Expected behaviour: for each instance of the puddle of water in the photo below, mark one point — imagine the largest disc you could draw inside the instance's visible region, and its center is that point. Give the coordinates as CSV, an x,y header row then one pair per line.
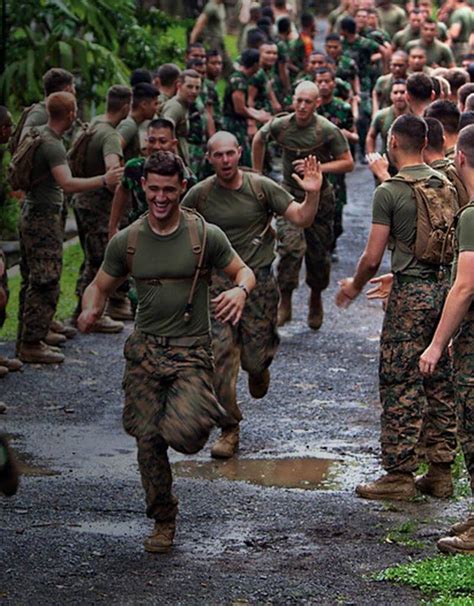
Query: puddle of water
x,y
303,473
112,529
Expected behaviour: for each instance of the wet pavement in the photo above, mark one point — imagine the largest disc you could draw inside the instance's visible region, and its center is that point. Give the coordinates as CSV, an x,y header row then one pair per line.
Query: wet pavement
x,y
278,525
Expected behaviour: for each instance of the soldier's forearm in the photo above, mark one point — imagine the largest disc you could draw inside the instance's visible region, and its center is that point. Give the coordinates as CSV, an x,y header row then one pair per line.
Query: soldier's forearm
x,y
94,300
245,277
338,167
258,153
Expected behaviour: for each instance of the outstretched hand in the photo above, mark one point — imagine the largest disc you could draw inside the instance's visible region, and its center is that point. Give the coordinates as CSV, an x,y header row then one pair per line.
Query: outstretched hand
x,y
229,305
312,175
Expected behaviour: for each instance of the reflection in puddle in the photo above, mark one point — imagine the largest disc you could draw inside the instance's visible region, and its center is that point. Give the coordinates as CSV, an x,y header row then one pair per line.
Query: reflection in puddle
x,y
304,473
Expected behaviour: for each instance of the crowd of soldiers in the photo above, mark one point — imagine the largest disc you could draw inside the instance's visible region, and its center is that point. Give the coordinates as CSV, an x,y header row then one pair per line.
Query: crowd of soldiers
x,y
182,198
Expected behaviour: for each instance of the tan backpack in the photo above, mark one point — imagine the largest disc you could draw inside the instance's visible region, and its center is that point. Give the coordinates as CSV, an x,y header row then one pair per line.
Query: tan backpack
x,y
436,208
21,165
199,248
15,139
76,156
453,176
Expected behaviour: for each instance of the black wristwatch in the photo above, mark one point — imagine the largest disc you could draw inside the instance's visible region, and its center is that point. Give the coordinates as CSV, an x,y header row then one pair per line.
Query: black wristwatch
x,y
245,289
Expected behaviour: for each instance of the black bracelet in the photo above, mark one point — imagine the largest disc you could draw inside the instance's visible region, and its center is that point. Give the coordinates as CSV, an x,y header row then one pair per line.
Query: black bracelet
x,y
245,289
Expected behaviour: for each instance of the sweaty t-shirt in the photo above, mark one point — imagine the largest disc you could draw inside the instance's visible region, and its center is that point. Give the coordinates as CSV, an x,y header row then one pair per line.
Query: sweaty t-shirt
x,y
49,154
395,205
437,53
177,112
129,130
465,17
215,27
464,236
392,19
104,142
170,258
320,138
241,216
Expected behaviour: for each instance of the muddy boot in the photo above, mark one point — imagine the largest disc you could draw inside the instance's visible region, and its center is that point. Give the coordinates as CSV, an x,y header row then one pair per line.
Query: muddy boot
x,y
227,444
3,371
437,482
63,329
462,543
284,307
120,310
12,364
54,338
258,384
107,325
8,470
161,539
461,527
39,353
392,486
315,311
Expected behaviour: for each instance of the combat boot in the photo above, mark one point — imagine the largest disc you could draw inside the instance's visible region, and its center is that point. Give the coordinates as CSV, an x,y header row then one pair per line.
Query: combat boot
x,y
54,338
461,527
9,474
462,543
12,364
39,353
284,307
120,310
107,325
315,311
395,486
437,481
3,371
161,539
68,331
258,384
227,444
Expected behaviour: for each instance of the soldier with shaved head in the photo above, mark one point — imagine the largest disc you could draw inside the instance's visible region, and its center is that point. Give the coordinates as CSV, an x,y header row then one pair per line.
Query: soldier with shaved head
x,y
242,203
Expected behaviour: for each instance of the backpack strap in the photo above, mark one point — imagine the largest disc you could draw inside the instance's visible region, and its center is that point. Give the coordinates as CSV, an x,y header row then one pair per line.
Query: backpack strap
x,y
132,239
205,189
199,248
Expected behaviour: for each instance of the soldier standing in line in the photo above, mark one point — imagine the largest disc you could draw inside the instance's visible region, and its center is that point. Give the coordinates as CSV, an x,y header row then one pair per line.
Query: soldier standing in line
x,y
169,397
301,134
242,204
144,106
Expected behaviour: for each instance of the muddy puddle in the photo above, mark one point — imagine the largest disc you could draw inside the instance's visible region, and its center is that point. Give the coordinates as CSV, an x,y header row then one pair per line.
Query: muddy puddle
x,y
304,473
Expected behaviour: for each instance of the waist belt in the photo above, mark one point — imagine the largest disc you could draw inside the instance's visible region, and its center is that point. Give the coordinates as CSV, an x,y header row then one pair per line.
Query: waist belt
x,y
177,341
412,279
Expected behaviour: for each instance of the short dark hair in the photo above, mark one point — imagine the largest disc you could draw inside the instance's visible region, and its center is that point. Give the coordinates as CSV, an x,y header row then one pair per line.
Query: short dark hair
x,y
333,38
190,47
164,163
466,119
213,52
188,73
161,123
192,63
457,77
140,75
446,112
398,81
265,24
420,86
284,25
348,25
465,91
267,11
117,97
465,143
255,38
55,80
325,70
435,134
307,20
410,130
429,20
249,57
143,92
168,73
436,83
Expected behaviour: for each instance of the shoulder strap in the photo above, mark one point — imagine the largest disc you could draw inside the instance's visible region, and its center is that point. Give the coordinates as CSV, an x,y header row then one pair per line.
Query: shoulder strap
x,y
255,182
199,248
132,239
205,189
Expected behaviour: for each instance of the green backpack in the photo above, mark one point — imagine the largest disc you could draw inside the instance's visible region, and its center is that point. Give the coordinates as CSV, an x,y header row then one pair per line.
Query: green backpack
x,y
21,165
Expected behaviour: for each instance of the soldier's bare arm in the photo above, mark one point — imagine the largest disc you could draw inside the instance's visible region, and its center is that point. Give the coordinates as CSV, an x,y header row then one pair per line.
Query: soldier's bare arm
x,y
95,298
74,185
371,141
258,152
119,203
342,164
230,304
198,28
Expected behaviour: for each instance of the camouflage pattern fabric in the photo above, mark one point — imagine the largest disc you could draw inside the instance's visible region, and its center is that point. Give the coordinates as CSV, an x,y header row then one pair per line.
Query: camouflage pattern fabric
x,y
41,245
132,182
463,356
239,129
252,344
3,286
413,406
346,69
233,122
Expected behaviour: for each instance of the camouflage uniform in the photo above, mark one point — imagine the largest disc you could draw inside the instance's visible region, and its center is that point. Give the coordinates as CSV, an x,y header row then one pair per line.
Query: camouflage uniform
x,y
197,135
3,286
233,122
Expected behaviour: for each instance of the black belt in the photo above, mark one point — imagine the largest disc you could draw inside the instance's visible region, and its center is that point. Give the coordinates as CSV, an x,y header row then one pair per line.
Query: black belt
x,y
412,279
163,341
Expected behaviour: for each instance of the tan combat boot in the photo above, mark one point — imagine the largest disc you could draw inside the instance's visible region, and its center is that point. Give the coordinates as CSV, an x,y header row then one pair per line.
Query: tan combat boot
x,y
437,481
54,338
108,326
39,353
284,307
462,543
161,539
227,444
315,311
63,329
392,486
461,527
258,384
12,364
120,310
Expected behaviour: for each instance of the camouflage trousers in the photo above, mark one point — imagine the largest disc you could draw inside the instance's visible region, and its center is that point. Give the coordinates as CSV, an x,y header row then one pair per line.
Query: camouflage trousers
x,y
414,409
41,246
363,122
196,158
314,244
463,356
251,344
169,401
340,193
239,129
3,289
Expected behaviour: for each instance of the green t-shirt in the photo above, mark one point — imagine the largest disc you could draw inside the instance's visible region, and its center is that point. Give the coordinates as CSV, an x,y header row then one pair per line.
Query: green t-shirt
x,y
169,258
319,138
104,142
464,236
436,54
214,31
394,205
464,16
404,36
382,122
177,112
49,154
37,116
242,217
383,88
392,19
128,129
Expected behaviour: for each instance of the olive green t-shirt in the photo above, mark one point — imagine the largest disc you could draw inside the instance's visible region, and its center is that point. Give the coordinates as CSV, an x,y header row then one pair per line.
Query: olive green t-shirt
x,y
214,31
49,154
437,53
382,122
320,138
37,116
242,217
464,16
464,236
169,258
104,142
177,112
128,129
383,88
392,19
394,205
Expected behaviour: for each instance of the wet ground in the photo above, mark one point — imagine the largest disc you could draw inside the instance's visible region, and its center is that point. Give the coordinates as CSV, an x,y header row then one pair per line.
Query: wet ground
x,y
278,525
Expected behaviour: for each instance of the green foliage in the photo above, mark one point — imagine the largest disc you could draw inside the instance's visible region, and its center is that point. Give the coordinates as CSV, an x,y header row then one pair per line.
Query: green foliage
x,y
451,578
402,535
9,216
